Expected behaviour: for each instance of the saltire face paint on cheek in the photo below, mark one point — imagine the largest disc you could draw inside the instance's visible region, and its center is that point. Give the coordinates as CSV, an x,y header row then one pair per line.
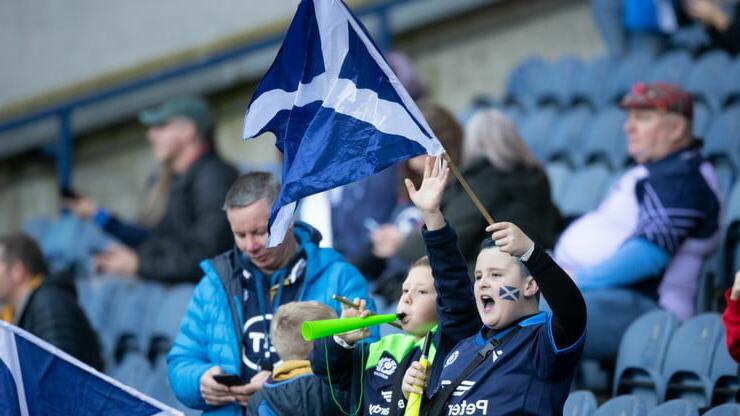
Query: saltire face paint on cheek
x,y
509,293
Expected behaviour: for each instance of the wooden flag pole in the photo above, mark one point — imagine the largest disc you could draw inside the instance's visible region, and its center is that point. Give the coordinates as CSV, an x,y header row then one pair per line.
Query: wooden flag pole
x,y
468,190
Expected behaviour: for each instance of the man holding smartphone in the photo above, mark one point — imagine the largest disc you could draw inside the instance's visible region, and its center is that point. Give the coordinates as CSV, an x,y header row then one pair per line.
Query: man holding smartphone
x,y
226,328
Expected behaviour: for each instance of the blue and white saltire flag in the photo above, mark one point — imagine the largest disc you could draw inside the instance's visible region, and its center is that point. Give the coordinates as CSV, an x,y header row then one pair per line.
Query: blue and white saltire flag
x,y
337,110
37,378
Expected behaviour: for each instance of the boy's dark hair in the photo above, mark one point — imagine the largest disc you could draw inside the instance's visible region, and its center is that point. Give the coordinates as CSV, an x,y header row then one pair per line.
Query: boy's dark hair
x,y
488,243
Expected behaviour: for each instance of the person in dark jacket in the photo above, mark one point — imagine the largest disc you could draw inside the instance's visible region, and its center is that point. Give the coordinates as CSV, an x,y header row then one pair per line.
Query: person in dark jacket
x,y
292,388
191,225
44,307
507,179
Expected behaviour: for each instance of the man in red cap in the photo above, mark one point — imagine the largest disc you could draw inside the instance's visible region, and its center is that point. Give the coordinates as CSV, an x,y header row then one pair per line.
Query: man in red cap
x,y
643,247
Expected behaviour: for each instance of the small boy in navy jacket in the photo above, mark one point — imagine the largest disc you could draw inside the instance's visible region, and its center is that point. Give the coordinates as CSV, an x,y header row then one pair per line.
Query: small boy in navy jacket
x,y
293,388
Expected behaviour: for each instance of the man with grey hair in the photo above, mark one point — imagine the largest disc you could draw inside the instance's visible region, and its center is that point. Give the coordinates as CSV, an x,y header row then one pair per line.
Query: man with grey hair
x,y
226,327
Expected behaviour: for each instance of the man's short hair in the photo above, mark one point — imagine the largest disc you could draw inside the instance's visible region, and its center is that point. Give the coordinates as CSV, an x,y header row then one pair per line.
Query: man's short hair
x,y
19,247
250,188
285,328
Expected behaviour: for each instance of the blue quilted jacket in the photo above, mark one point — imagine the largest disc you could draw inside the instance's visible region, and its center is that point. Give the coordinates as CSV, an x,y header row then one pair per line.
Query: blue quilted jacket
x,y
210,330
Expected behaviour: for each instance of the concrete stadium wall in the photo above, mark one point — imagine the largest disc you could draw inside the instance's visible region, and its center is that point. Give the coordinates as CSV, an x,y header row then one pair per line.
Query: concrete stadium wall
x,y
460,59
57,43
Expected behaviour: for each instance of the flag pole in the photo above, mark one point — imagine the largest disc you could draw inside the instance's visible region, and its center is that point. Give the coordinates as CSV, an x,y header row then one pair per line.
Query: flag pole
x,y
468,190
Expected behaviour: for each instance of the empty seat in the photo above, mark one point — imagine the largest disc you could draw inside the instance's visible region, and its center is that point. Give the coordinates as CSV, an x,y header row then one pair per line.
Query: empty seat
x,y
585,189
723,374
678,407
706,79
135,371
591,88
702,119
641,355
580,403
523,82
556,89
732,205
134,310
711,283
95,295
673,67
732,85
568,135
558,173
723,137
157,385
605,139
729,409
689,359
536,130
632,69
167,322
622,406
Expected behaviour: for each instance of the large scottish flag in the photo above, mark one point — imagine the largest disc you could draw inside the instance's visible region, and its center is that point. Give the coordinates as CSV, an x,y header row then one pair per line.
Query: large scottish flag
x,y
38,379
337,109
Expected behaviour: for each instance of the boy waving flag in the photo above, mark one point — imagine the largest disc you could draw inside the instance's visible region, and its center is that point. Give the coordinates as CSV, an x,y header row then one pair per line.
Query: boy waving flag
x,y
337,110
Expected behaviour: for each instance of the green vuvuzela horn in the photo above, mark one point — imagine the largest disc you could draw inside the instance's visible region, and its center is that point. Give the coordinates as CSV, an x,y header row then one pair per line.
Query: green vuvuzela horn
x,y
312,330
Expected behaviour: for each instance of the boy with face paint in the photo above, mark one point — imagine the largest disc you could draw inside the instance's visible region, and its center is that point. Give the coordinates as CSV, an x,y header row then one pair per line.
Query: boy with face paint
x,y
528,356
436,295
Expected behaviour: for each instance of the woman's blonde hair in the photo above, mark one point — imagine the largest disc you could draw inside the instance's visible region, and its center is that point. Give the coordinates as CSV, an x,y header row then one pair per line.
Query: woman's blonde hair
x,y
156,198
492,135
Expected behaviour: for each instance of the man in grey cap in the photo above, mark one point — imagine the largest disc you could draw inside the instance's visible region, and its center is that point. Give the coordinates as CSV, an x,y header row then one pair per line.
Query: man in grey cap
x,y
191,225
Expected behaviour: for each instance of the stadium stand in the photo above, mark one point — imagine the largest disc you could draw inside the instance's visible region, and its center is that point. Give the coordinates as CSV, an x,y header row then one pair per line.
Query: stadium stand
x,y
689,359
677,407
626,405
642,353
580,403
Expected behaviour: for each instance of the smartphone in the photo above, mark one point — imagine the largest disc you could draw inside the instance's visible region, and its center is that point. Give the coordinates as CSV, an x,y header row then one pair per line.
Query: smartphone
x,y
228,380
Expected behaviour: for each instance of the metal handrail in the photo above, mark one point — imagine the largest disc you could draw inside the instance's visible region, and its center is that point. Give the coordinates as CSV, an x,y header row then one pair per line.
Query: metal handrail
x,y
63,110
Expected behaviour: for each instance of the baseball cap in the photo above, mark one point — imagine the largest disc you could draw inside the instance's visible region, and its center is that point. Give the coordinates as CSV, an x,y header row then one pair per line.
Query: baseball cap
x,y
191,107
659,96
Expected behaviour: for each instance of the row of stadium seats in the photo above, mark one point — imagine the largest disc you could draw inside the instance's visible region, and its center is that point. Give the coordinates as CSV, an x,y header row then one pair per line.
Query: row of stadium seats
x,y
133,315
660,360
569,81
583,403
136,323
580,137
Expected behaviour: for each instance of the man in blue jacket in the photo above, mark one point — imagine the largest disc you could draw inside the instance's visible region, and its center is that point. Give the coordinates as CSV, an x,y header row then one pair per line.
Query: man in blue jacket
x,y
226,326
